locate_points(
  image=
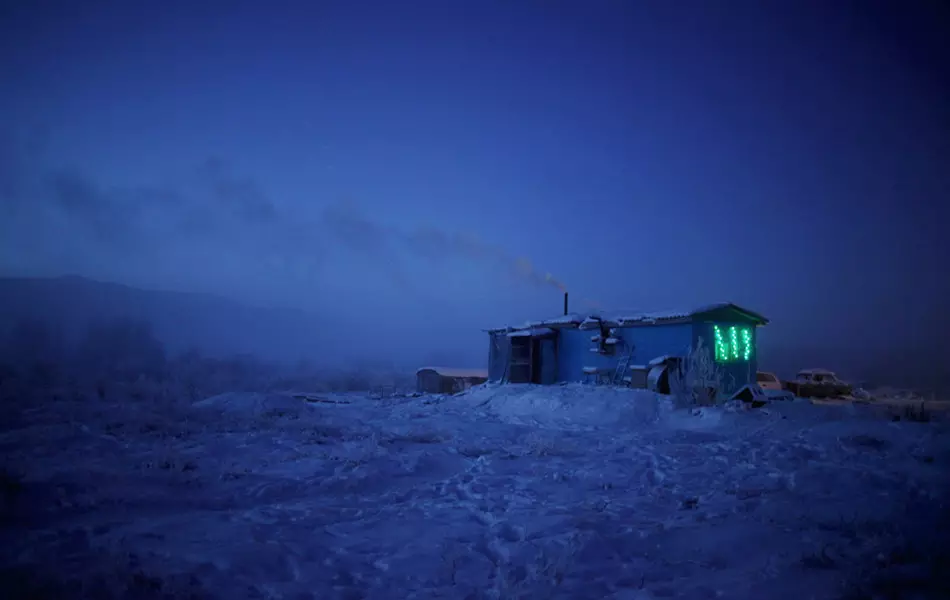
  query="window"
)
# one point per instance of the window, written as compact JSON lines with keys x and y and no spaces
{"x":733,"y":343}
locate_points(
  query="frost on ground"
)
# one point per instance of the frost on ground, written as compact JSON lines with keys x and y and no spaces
{"x":500,"y":492}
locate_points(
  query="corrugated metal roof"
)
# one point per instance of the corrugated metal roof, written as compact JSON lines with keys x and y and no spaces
{"x":533,"y":332}
{"x":627,"y":318}
{"x":622,"y":318}
{"x":568,"y":320}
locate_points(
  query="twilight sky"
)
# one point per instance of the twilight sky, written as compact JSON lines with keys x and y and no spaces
{"x":432,"y":161}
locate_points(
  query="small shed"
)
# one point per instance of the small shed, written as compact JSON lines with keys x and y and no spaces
{"x":448,"y":380}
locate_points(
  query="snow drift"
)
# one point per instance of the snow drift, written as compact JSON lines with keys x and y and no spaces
{"x":500,"y":492}
{"x":570,"y":406}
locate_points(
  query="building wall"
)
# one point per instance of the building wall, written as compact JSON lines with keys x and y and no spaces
{"x":648,"y":342}
{"x":735,"y":374}
{"x":428,"y":382}
{"x":573,"y":351}
{"x":573,"y":354}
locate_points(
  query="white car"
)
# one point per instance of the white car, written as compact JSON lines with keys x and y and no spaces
{"x":768,"y":381}
{"x":819,"y":383}
{"x":772,"y":386}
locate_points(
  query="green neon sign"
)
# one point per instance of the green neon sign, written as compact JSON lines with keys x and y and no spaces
{"x":732,"y":344}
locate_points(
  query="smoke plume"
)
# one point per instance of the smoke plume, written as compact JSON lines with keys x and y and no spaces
{"x":357,"y":231}
{"x":436,"y":244}
{"x":209,"y":223}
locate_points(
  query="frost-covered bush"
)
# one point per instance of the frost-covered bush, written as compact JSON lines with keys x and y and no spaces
{"x":696,"y":380}
{"x":363,"y":378}
{"x":200,"y":377}
{"x":121,"y":360}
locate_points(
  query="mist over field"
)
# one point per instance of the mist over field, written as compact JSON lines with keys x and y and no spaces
{"x":275,"y":277}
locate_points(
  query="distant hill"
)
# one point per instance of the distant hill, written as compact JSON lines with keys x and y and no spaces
{"x":215,"y":325}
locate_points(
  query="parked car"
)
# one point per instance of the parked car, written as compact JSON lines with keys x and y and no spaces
{"x":772,"y":386}
{"x":817,"y":383}
{"x":768,"y":381}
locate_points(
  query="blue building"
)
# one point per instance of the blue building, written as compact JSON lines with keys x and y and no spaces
{"x":616,"y":347}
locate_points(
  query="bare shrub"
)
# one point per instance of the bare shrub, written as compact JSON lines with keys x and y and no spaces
{"x":917,"y":413}
{"x":360,"y":378}
{"x":696,"y":380}
{"x":194,"y":377}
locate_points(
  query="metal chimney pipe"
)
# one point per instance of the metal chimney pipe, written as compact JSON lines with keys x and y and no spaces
{"x":565,"y":303}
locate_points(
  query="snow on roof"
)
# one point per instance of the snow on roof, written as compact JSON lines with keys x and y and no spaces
{"x":816,"y":372}
{"x":627,"y":318}
{"x":456,"y":372}
{"x":590,"y":323}
{"x":533,"y":332}
{"x":622,"y":319}
{"x":659,"y":360}
{"x":562,"y":320}
{"x":568,"y":320}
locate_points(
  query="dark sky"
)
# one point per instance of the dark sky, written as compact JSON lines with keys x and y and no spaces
{"x":430,"y":162}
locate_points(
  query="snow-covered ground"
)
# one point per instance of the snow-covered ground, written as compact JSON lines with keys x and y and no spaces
{"x":501,"y":492}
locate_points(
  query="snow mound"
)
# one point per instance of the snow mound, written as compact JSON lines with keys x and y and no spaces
{"x":572,"y":406}
{"x":704,"y":417}
{"x":251,"y":404}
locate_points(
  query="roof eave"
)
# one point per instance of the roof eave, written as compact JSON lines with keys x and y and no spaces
{"x":757,"y":318}
{"x":594,"y":321}
{"x":655,"y":322}
{"x":753,"y":316}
